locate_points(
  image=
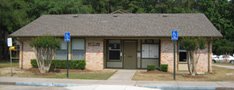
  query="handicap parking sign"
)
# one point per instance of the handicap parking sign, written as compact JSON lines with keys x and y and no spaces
{"x":174,"y":35}
{"x":67,"y":36}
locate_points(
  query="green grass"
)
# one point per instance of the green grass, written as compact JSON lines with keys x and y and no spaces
{"x":73,"y":74}
{"x":4,"y":64}
{"x":226,"y":64}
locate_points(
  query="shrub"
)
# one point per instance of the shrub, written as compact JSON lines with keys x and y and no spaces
{"x":163,"y":67}
{"x":34,"y":63}
{"x":62,"y":64}
{"x":81,"y":65}
{"x":45,"y":47}
{"x":151,"y":67}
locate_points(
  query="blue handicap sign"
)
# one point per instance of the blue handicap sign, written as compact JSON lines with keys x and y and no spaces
{"x":174,"y":35}
{"x":67,"y":36}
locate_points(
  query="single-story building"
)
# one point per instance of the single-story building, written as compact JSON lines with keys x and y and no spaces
{"x":124,"y":41}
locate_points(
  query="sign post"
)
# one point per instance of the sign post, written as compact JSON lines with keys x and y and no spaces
{"x":174,"y":38}
{"x":67,"y":38}
{"x":9,"y":44}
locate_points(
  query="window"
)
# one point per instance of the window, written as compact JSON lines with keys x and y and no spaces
{"x":78,"y":49}
{"x":114,"y":50}
{"x":61,"y":53}
{"x":150,"y":51}
{"x":182,"y":54}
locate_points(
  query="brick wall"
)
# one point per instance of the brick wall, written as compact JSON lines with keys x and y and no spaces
{"x":94,"y":54}
{"x":167,"y":57}
{"x":167,"y":53}
{"x":202,"y":65}
{"x":26,"y":54}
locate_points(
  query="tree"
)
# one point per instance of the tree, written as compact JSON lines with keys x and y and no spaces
{"x":12,"y":16}
{"x":193,"y":47}
{"x":223,"y":46}
{"x":45,"y":47}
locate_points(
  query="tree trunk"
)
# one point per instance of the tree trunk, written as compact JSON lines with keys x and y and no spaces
{"x":44,"y":58}
{"x":189,"y":62}
{"x":193,"y":64}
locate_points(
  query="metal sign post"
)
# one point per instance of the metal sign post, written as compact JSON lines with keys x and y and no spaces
{"x":67,"y":38}
{"x":174,"y":38}
{"x":9,"y":44}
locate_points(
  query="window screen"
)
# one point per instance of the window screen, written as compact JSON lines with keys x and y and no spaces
{"x":78,"y":44}
{"x":78,"y":50}
{"x":61,"y":53}
{"x":150,"y":51}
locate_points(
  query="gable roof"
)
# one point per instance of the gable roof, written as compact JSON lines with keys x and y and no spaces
{"x":120,"y":25}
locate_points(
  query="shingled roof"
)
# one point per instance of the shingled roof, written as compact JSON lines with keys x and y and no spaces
{"x":120,"y":25}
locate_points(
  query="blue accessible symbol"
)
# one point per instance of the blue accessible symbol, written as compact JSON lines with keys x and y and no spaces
{"x":174,"y":35}
{"x":67,"y":36}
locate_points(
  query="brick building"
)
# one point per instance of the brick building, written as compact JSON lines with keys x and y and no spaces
{"x":125,"y":41}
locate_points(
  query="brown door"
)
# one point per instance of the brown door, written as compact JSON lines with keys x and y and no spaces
{"x":130,"y":55}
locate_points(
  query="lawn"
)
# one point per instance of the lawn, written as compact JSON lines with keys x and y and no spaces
{"x":219,"y":74}
{"x":226,"y":64}
{"x":73,"y":74}
{"x":8,"y":64}
{"x":61,"y":73}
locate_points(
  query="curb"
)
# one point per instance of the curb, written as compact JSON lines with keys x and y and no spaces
{"x":163,"y":87}
{"x":48,"y":84}
{"x":8,"y":83}
{"x":172,"y":87}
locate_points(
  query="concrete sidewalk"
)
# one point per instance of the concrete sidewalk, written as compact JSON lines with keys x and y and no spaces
{"x":223,"y":66}
{"x":78,"y":82}
{"x":123,"y":75}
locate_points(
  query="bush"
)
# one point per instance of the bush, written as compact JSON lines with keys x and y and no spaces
{"x":62,"y":64}
{"x":34,"y":63}
{"x":151,"y":67}
{"x":163,"y":67}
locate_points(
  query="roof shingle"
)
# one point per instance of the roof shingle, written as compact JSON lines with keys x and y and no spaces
{"x":120,"y":25}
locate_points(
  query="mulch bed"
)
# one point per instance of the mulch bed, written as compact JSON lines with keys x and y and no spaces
{"x":154,"y":72}
{"x":195,"y":77}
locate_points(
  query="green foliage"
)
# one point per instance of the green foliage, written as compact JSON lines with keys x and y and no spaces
{"x":34,"y":63}
{"x":45,"y":42}
{"x":61,"y":64}
{"x":151,"y":67}
{"x":18,"y":13}
{"x":164,"y":67}
{"x":223,"y":47}
{"x":192,"y":44}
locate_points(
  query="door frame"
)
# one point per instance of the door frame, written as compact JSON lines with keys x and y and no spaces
{"x":136,"y":44}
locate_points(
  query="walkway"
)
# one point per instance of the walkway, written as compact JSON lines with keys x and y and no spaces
{"x":123,"y":75}
{"x":224,"y":66}
{"x":170,"y":85}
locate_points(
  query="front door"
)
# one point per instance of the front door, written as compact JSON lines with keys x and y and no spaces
{"x":130,"y":54}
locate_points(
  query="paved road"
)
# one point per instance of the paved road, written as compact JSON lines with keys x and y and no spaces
{"x":224,"y":66}
{"x":14,"y":87}
{"x":72,"y":82}
{"x":123,"y":75}
{"x":88,"y":87}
